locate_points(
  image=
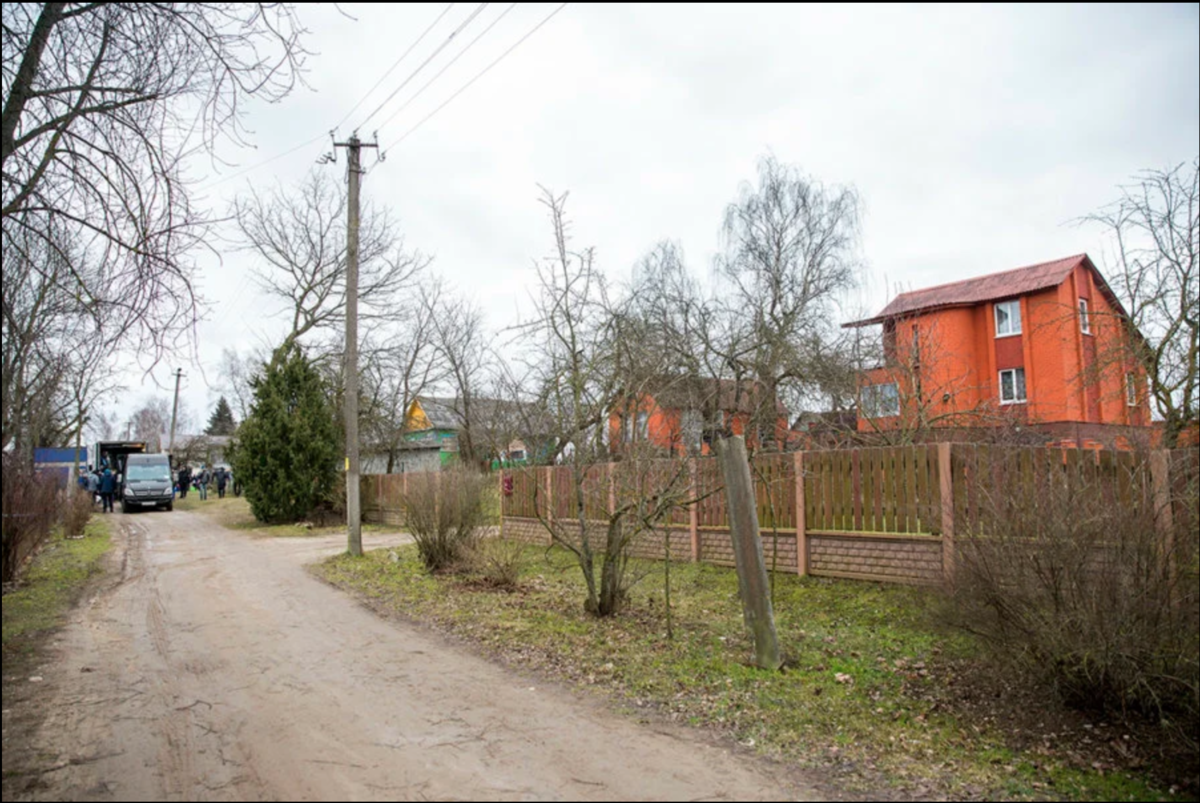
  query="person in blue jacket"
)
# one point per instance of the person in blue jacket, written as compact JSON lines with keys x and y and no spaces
{"x":108,"y":487}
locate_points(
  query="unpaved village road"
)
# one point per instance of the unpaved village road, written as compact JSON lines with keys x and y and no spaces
{"x":214,"y":667}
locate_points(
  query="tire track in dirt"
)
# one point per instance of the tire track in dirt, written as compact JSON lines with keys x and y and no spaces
{"x":214,"y":667}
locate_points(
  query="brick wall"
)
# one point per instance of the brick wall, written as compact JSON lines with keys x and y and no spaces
{"x":529,"y":531}
{"x":898,"y":560}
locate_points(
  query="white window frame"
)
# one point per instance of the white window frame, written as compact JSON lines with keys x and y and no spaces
{"x":873,"y":398}
{"x":1085,"y":318}
{"x":1013,"y":308}
{"x":1022,"y":385}
{"x":1131,"y":394}
{"x":643,"y":425}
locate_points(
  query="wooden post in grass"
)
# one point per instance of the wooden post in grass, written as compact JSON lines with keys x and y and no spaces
{"x":747,"y":551}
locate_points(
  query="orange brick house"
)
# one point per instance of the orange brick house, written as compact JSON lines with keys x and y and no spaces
{"x":681,"y":415}
{"x":1042,"y":348}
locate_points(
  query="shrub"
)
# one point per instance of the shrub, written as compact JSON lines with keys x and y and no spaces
{"x":498,"y":561}
{"x":76,"y":511}
{"x":444,"y":512}
{"x":29,"y":506}
{"x":1071,"y":582}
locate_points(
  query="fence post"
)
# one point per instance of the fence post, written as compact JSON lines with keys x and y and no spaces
{"x":946,"y":488}
{"x":549,"y":502}
{"x":694,"y":512}
{"x":1164,"y":516}
{"x":801,"y":524}
{"x":500,"y":487}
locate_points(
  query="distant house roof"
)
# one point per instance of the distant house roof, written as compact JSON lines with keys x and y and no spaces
{"x":994,"y":286}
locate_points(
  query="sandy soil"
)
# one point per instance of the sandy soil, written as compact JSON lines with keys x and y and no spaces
{"x":212,"y":666}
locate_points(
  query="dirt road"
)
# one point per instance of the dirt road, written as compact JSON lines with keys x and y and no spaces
{"x":213,"y":667}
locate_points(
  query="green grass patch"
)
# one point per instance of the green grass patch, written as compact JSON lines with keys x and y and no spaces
{"x":53,"y":583}
{"x":233,"y":512}
{"x":863,"y":695}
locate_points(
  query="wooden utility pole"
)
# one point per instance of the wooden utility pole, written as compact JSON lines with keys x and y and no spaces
{"x":353,"y":508}
{"x":747,"y":551}
{"x":174,"y":410}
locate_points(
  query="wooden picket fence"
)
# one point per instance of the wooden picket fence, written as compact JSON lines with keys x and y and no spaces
{"x":887,"y":514}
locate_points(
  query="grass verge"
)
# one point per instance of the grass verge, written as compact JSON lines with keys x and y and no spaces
{"x":233,"y":512}
{"x":872,"y":694}
{"x":52,"y":584}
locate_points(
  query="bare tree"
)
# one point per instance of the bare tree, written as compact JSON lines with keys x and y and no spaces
{"x":150,"y":421}
{"x":103,"y":102}
{"x":581,"y":362}
{"x":791,"y":251}
{"x":403,"y":367}
{"x":300,"y":237}
{"x":462,"y":346}
{"x":1155,"y":225}
{"x":57,"y":352}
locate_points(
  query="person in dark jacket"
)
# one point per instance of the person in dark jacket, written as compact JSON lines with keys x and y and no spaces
{"x":203,"y":481}
{"x":108,"y":487}
{"x":222,"y":478}
{"x":185,"y":479}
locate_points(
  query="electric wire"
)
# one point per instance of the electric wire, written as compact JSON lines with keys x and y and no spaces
{"x":478,"y":75}
{"x":470,"y":18}
{"x":449,"y":64}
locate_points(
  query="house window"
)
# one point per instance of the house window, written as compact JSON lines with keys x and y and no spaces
{"x":1085,"y":321}
{"x":1012,"y":386}
{"x":880,"y":401}
{"x":1008,"y":318}
{"x":1131,"y":389}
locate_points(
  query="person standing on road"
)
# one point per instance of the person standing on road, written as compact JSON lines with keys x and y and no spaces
{"x":93,"y":484}
{"x":203,"y":482}
{"x":222,"y":479}
{"x":185,"y":479}
{"x":108,"y":486}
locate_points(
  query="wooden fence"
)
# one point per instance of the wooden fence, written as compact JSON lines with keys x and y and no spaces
{"x":887,"y":514}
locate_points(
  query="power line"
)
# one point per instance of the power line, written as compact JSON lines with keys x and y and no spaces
{"x":366,"y":95}
{"x":395,"y":64}
{"x":449,"y":64}
{"x":431,"y":57}
{"x":478,"y":75}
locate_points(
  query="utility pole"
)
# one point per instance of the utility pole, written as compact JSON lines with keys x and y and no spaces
{"x":353,"y":507}
{"x":175,"y":410}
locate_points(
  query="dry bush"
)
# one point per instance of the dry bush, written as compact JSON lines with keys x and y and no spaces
{"x":30,"y":504}
{"x":1071,"y":582}
{"x":444,"y":512}
{"x":498,"y":562}
{"x":76,"y":510}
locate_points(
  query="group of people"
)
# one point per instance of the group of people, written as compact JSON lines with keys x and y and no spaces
{"x":200,"y":480}
{"x":101,"y":484}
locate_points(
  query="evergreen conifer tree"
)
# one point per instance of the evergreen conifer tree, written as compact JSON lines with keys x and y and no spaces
{"x":286,"y":451}
{"x":221,"y":421}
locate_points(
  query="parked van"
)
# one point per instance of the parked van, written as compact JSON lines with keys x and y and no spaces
{"x":147,"y":482}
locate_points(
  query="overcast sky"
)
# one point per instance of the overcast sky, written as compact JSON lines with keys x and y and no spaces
{"x":974,"y":135}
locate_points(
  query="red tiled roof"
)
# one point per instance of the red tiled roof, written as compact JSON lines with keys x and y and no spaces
{"x":969,"y":292}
